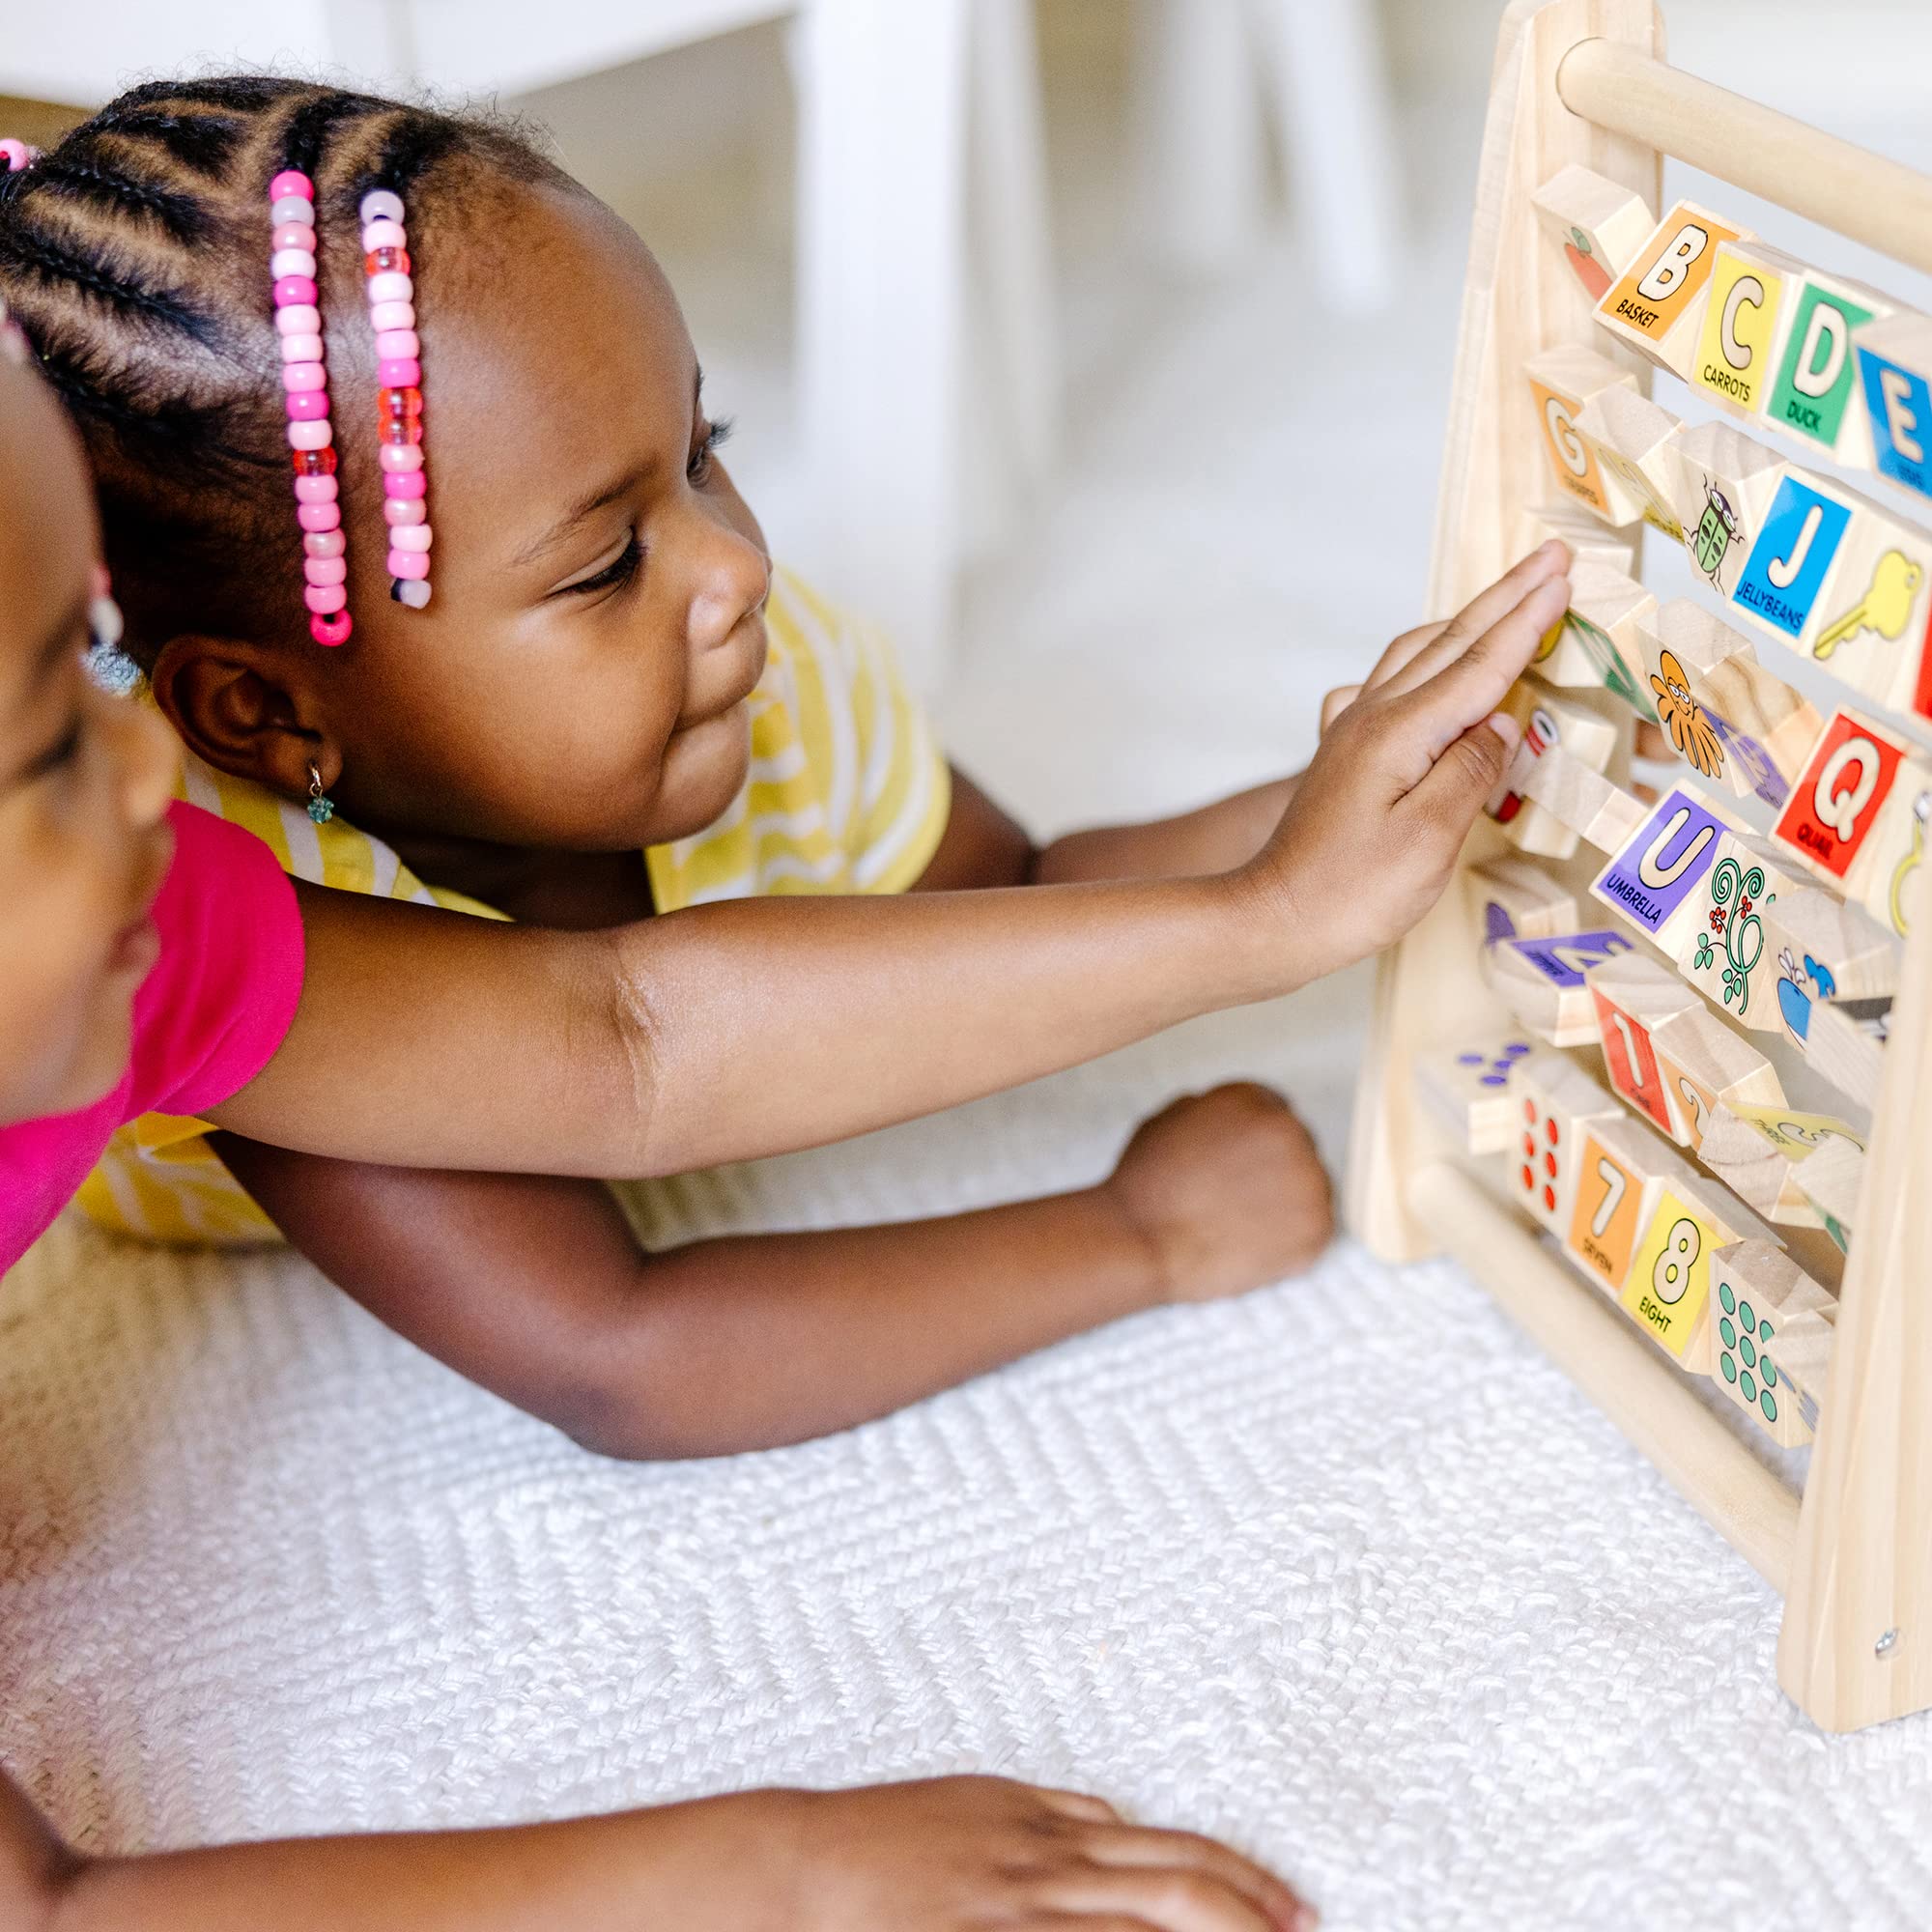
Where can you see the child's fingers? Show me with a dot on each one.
(1402, 651)
(1464, 690)
(1336, 702)
(1529, 578)
(1137, 1846)
(1075, 1804)
(1651, 743)
(1468, 770)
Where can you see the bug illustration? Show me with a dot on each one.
(1716, 533)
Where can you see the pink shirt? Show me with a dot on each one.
(206, 1019)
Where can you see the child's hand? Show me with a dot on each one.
(1367, 842)
(962, 1854)
(1227, 1191)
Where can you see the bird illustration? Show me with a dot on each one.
(1886, 606)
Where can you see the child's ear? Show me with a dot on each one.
(234, 706)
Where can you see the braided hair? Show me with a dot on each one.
(134, 253)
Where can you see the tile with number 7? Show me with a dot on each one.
(1615, 1184)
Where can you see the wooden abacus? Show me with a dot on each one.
(1702, 1231)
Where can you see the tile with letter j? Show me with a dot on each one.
(1791, 556)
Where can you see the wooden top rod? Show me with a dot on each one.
(1879, 202)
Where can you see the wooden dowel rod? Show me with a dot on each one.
(1603, 1352)
(1879, 202)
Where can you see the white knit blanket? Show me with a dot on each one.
(1342, 1571)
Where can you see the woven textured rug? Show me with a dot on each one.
(1342, 1571)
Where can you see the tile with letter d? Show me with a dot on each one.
(1815, 397)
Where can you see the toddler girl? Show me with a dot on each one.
(609, 706)
(139, 969)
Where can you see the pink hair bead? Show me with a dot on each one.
(391, 285)
(396, 457)
(381, 203)
(319, 516)
(292, 262)
(411, 536)
(322, 571)
(307, 405)
(407, 562)
(406, 485)
(392, 344)
(304, 376)
(300, 318)
(323, 543)
(391, 318)
(331, 631)
(391, 291)
(292, 181)
(315, 488)
(301, 349)
(382, 234)
(297, 292)
(399, 372)
(410, 590)
(310, 435)
(326, 599)
(19, 157)
(403, 510)
(293, 234)
(290, 208)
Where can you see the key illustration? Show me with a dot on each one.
(1886, 606)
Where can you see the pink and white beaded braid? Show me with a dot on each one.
(392, 315)
(306, 390)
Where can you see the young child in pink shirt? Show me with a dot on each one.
(153, 957)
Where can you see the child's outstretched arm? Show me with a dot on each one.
(743, 1029)
(945, 1856)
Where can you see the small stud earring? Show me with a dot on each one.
(320, 809)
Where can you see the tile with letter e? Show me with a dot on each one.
(1895, 357)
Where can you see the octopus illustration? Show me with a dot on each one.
(1693, 734)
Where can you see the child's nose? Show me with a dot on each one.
(149, 757)
(733, 584)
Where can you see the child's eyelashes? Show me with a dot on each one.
(715, 433)
(614, 575)
(61, 753)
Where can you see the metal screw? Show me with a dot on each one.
(1885, 1644)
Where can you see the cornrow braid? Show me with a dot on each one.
(133, 256)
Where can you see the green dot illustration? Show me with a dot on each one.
(1767, 1370)
(1746, 1321)
(1769, 1405)
(1729, 1367)
(1729, 1299)
(1749, 1387)
(1729, 1333)
(1747, 1351)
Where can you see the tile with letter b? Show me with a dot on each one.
(1657, 306)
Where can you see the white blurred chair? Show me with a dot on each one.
(1208, 76)
(922, 243)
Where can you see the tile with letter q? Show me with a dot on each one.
(1839, 793)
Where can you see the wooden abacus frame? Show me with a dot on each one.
(1584, 81)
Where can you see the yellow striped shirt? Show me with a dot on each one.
(848, 792)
